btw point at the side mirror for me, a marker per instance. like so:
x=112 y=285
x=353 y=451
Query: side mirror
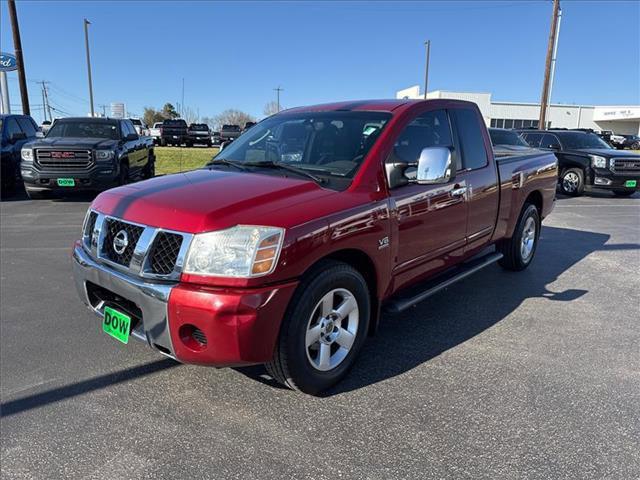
x=434 y=166
x=14 y=137
x=131 y=137
x=39 y=135
x=554 y=146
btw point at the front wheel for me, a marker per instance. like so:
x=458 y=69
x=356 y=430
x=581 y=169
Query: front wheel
x=323 y=330
x=572 y=182
x=518 y=251
x=123 y=178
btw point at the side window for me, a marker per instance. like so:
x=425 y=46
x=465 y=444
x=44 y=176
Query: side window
x=474 y=153
x=12 y=127
x=549 y=141
x=27 y=126
x=431 y=129
x=533 y=139
x=123 y=130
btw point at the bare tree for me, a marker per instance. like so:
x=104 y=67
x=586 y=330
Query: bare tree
x=233 y=117
x=271 y=108
x=190 y=116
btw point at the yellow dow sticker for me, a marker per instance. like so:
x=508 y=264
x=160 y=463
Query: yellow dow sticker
x=116 y=324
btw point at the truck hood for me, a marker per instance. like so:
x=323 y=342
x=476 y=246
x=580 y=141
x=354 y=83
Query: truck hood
x=72 y=142
x=206 y=200
x=606 y=152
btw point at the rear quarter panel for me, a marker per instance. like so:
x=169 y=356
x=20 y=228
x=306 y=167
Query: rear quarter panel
x=520 y=176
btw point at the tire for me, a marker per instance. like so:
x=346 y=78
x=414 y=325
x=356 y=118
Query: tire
x=123 y=178
x=163 y=142
x=635 y=146
x=38 y=194
x=572 y=182
x=305 y=334
x=150 y=168
x=520 y=249
x=623 y=193
x=189 y=144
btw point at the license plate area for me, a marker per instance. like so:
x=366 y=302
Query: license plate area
x=117 y=324
x=100 y=298
x=66 y=182
x=631 y=183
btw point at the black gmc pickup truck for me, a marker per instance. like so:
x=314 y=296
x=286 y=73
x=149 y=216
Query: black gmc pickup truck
x=86 y=154
x=585 y=161
x=174 y=132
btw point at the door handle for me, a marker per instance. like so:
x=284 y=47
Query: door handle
x=458 y=191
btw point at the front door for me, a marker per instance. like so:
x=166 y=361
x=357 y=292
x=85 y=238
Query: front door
x=430 y=220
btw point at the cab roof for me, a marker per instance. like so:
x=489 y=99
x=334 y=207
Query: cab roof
x=383 y=105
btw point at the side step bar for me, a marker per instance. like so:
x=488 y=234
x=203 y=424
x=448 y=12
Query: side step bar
x=423 y=291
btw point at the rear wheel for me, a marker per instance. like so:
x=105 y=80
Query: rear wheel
x=324 y=329
x=624 y=193
x=572 y=182
x=519 y=250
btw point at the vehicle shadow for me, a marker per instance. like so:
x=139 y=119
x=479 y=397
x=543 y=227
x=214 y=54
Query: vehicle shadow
x=465 y=310
x=21 y=196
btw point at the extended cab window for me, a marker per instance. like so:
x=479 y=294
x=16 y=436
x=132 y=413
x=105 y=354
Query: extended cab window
x=474 y=152
x=12 y=127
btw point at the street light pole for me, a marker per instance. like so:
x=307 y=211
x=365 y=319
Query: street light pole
x=426 y=68
x=17 y=45
x=86 y=43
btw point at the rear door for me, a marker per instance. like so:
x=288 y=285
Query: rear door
x=430 y=219
x=478 y=174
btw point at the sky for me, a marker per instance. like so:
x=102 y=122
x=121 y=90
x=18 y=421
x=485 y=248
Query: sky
x=233 y=54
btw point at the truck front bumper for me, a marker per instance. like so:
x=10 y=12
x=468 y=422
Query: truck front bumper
x=97 y=178
x=604 y=179
x=190 y=323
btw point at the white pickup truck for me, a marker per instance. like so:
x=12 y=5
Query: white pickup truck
x=155 y=133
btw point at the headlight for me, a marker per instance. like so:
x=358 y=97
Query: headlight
x=242 y=251
x=598 y=162
x=26 y=154
x=104 y=154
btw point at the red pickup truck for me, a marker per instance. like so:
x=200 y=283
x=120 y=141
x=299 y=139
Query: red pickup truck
x=286 y=248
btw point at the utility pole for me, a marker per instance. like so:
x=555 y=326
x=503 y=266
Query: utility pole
x=426 y=67
x=45 y=100
x=278 y=90
x=553 y=62
x=86 y=44
x=17 y=45
x=542 y=124
x=182 y=103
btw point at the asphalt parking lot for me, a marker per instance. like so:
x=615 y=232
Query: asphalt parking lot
x=504 y=375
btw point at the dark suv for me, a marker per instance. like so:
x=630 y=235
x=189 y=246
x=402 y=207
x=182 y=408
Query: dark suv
x=587 y=161
x=15 y=130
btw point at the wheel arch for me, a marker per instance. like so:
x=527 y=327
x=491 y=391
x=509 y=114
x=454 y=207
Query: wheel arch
x=364 y=264
x=535 y=198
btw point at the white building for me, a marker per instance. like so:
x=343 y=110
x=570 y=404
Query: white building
x=623 y=120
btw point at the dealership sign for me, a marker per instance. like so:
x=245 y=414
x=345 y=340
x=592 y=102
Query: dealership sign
x=616 y=113
x=8 y=62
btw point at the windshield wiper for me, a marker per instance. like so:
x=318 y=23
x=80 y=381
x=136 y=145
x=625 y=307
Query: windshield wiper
x=223 y=161
x=284 y=166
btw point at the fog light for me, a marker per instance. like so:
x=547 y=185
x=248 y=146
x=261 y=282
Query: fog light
x=602 y=181
x=192 y=337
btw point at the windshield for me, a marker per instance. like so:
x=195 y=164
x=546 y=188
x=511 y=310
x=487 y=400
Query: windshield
x=324 y=143
x=231 y=128
x=506 y=137
x=179 y=123
x=578 y=140
x=85 y=129
x=199 y=128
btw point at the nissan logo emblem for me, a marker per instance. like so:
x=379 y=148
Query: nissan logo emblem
x=120 y=242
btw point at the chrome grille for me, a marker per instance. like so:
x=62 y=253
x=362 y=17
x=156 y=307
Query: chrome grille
x=151 y=252
x=164 y=252
x=113 y=227
x=627 y=165
x=64 y=159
